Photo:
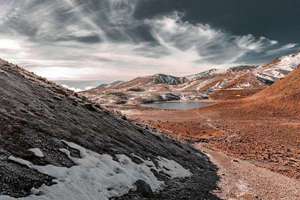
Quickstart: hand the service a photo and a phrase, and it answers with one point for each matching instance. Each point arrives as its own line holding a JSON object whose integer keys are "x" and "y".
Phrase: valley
{"x": 149, "y": 100}
{"x": 250, "y": 118}
{"x": 228, "y": 134}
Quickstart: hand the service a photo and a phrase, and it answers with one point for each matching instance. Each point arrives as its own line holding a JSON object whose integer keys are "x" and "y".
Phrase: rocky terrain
{"x": 253, "y": 139}
{"x": 263, "y": 128}
{"x": 55, "y": 144}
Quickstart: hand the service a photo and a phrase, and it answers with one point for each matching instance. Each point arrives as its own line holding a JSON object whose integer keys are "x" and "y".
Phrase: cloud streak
{"x": 102, "y": 40}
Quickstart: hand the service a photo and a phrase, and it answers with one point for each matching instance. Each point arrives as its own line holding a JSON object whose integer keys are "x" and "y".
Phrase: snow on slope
{"x": 98, "y": 176}
{"x": 202, "y": 74}
{"x": 279, "y": 69}
{"x": 37, "y": 152}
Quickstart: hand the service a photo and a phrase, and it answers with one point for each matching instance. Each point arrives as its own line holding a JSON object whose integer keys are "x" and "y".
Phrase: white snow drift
{"x": 98, "y": 176}
{"x": 37, "y": 152}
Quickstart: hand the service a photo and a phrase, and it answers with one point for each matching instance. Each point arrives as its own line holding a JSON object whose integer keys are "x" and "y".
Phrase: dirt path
{"x": 241, "y": 180}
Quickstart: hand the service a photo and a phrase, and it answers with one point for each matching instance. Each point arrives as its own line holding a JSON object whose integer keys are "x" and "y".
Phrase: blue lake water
{"x": 177, "y": 105}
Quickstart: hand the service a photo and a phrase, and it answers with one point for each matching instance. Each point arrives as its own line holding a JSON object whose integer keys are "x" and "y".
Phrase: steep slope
{"x": 283, "y": 96}
{"x": 55, "y": 144}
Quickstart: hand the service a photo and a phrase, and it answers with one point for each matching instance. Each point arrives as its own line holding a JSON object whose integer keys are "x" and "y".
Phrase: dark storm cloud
{"x": 121, "y": 39}
{"x": 276, "y": 19}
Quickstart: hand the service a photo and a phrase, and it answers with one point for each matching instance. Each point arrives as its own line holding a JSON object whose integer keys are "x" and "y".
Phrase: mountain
{"x": 55, "y": 144}
{"x": 278, "y": 68}
{"x": 139, "y": 90}
{"x": 168, "y": 79}
{"x": 233, "y": 83}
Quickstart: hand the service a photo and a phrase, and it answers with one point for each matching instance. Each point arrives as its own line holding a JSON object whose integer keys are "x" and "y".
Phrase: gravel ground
{"x": 244, "y": 180}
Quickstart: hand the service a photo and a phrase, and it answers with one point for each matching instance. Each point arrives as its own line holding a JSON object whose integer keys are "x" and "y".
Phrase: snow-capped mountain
{"x": 161, "y": 87}
{"x": 279, "y": 68}
{"x": 239, "y": 82}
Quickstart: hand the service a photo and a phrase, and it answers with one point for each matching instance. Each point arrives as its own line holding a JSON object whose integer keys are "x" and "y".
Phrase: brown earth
{"x": 241, "y": 179}
{"x": 229, "y": 94}
{"x": 263, "y": 129}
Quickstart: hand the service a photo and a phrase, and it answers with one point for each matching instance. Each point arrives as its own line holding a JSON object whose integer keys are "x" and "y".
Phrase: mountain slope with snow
{"x": 233, "y": 83}
{"x": 55, "y": 144}
{"x": 162, "y": 87}
{"x": 279, "y": 68}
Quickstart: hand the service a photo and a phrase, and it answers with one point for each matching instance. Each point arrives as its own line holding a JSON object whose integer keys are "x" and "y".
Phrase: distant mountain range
{"x": 236, "y": 82}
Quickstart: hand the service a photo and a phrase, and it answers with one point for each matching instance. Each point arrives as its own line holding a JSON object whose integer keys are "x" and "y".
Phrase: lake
{"x": 176, "y": 105}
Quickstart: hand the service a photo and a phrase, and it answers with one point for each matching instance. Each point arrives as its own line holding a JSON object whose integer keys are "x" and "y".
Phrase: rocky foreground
{"x": 55, "y": 144}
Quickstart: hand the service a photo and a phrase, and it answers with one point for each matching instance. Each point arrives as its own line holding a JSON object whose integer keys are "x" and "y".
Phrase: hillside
{"x": 283, "y": 96}
{"x": 55, "y": 144}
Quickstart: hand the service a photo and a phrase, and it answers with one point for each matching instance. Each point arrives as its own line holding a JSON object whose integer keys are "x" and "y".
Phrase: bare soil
{"x": 242, "y": 179}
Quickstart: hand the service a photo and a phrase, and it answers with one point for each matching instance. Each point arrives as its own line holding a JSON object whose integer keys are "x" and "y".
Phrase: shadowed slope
{"x": 36, "y": 113}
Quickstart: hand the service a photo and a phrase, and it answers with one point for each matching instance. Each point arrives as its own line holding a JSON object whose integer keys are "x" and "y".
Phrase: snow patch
{"x": 37, "y": 152}
{"x": 20, "y": 161}
{"x": 172, "y": 168}
{"x": 98, "y": 176}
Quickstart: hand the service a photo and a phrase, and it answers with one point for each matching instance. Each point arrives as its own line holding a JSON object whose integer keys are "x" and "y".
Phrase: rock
{"x": 90, "y": 107}
{"x": 143, "y": 188}
{"x": 170, "y": 97}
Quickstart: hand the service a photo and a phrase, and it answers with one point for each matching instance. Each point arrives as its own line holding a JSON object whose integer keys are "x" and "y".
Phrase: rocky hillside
{"x": 55, "y": 144}
{"x": 168, "y": 79}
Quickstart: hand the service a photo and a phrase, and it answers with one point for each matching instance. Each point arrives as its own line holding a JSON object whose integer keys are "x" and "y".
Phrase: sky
{"x": 82, "y": 43}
